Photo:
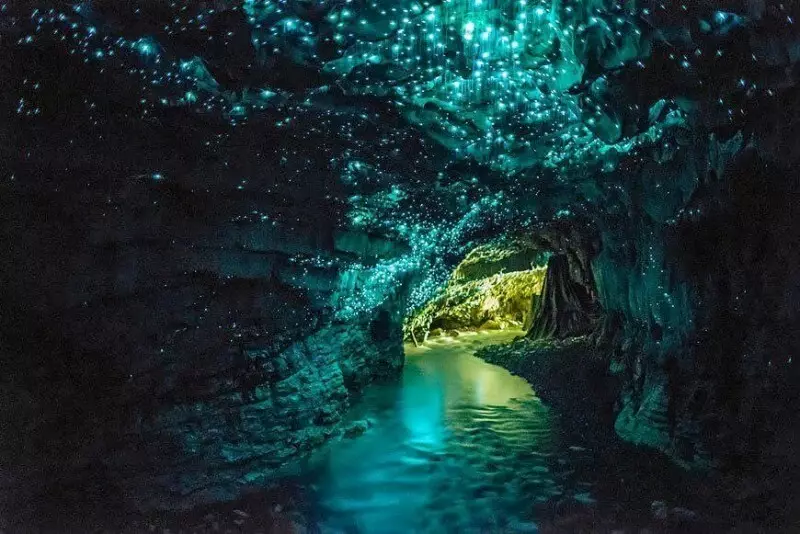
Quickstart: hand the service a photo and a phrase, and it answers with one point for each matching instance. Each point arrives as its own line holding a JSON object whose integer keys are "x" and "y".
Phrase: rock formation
{"x": 563, "y": 309}
{"x": 492, "y": 288}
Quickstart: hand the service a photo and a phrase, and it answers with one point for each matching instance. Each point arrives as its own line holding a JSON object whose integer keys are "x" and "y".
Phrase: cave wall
{"x": 166, "y": 338}
{"x": 493, "y": 287}
{"x": 688, "y": 275}
{"x": 640, "y": 289}
{"x": 194, "y": 357}
{"x": 694, "y": 232}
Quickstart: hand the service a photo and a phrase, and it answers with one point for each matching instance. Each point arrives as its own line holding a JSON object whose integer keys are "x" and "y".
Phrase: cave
{"x": 399, "y": 266}
{"x": 535, "y": 284}
{"x": 496, "y": 286}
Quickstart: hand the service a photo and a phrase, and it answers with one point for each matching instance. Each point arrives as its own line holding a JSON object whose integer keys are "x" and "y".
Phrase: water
{"x": 456, "y": 445}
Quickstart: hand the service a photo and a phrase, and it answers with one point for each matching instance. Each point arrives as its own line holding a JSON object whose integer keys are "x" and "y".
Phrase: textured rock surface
{"x": 688, "y": 310}
{"x": 564, "y": 307}
{"x": 290, "y": 403}
{"x": 195, "y": 353}
{"x": 494, "y": 287}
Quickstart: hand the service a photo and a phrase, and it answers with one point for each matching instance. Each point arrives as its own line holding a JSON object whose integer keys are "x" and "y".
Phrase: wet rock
{"x": 357, "y": 428}
{"x": 683, "y": 515}
{"x": 647, "y": 423}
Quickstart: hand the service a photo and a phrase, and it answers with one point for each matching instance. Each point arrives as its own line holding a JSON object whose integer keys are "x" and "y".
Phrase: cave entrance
{"x": 495, "y": 287}
{"x": 542, "y": 291}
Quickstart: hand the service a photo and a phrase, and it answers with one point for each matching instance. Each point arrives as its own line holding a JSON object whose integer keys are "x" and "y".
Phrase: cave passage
{"x": 516, "y": 284}
{"x": 495, "y": 287}
{"x": 454, "y": 445}
{"x": 240, "y": 238}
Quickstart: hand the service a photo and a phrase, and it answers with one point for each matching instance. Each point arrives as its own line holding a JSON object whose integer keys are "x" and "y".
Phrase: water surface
{"x": 457, "y": 445}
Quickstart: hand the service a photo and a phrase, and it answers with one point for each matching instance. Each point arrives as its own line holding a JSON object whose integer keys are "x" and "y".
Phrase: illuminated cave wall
{"x": 494, "y": 287}
{"x": 191, "y": 191}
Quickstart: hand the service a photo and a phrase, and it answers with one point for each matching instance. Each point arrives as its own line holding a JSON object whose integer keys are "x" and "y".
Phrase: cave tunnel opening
{"x": 540, "y": 285}
{"x": 494, "y": 287}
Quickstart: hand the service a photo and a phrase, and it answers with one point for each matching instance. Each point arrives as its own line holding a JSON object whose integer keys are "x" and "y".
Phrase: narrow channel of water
{"x": 456, "y": 445}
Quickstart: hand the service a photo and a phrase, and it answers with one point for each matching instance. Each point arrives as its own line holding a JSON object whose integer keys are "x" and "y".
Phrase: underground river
{"x": 455, "y": 444}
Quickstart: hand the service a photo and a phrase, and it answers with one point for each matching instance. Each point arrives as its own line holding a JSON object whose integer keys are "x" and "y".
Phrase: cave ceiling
{"x": 429, "y": 121}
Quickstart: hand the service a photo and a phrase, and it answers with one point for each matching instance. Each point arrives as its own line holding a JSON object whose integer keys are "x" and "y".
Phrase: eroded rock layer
{"x": 496, "y": 286}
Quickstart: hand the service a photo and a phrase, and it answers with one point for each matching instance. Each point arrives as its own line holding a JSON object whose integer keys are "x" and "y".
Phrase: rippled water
{"x": 456, "y": 445}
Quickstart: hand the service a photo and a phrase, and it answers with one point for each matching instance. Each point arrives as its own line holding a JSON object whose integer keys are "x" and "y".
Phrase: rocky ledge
{"x": 568, "y": 374}
{"x": 649, "y": 492}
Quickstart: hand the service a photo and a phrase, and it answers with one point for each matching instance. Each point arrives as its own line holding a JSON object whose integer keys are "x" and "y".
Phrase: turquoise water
{"x": 456, "y": 445}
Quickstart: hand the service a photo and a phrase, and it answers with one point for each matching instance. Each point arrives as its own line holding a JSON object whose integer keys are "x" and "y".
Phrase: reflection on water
{"x": 457, "y": 445}
{"x": 464, "y": 378}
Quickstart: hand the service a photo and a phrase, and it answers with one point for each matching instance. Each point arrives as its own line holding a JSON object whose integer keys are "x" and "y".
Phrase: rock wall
{"x": 158, "y": 343}
{"x": 694, "y": 231}
{"x": 700, "y": 333}
{"x": 494, "y": 287}
{"x": 287, "y": 404}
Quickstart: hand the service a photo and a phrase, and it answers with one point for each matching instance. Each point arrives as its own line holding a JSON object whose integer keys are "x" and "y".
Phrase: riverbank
{"x": 567, "y": 374}
{"x": 635, "y": 488}
{"x": 457, "y": 445}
